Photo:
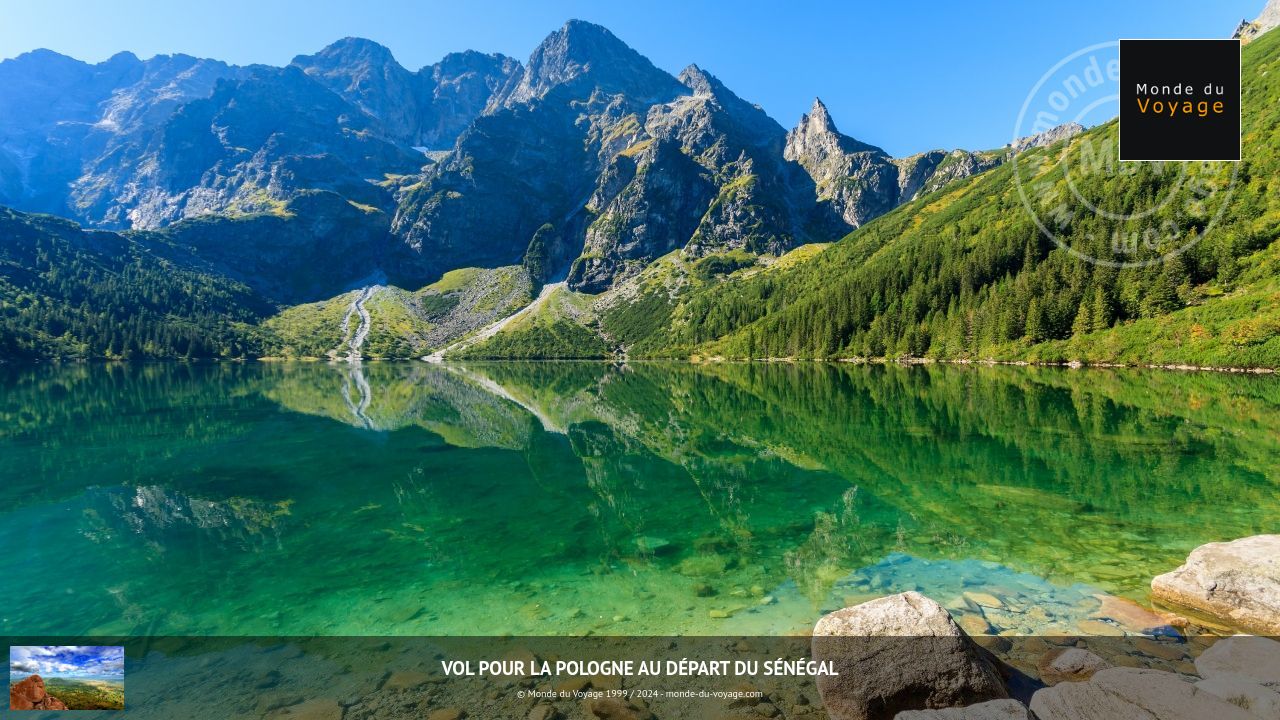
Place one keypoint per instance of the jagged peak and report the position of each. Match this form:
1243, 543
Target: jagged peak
579, 49
815, 138
819, 118
1269, 18
699, 81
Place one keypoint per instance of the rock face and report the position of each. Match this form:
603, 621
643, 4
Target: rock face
1048, 137
1236, 583
29, 694
901, 652
428, 108
857, 182
1133, 693
1268, 19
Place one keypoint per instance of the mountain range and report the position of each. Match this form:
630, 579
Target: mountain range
582, 203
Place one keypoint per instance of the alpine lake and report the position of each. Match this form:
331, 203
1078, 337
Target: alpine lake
411, 499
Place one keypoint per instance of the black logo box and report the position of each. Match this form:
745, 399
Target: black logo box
1187, 65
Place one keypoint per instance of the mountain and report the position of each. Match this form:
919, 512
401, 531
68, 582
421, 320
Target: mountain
963, 273
428, 108
140, 144
585, 203
1268, 19
66, 124
612, 163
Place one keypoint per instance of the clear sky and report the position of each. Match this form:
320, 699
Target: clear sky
907, 75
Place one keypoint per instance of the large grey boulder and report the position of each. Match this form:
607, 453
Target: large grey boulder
1133, 694
990, 710
901, 652
1255, 659
1261, 701
1236, 583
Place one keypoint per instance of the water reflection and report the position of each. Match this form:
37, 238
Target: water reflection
584, 497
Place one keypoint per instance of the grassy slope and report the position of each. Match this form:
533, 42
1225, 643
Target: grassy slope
406, 324
886, 289
563, 328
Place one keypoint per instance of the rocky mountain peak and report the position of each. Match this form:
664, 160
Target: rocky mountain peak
699, 81
585, 57
818, 117
1266, 20
348, 50
817, 145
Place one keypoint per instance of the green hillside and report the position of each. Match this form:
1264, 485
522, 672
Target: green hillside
965, 274
87, 694
69, 293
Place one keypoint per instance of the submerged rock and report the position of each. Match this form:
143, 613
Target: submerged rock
1236, 583
901, 652
1132, 693
1069, 665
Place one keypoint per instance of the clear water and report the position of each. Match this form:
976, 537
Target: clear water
566, 498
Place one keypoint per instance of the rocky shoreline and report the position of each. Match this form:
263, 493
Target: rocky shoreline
899, 657
903, 657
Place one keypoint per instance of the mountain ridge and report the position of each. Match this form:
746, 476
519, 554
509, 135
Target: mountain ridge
586, 164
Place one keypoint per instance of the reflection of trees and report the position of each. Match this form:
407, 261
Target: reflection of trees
1055, 472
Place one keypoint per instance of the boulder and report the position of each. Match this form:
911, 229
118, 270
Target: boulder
1236, 583
990, 710
1132, 694
29, 694
1256, 659
1261, 701
1069, 665
901, 652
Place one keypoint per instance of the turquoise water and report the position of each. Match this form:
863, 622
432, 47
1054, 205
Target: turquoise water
566, 498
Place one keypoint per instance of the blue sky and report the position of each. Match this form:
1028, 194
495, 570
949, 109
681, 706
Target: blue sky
67, 661
907, 76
